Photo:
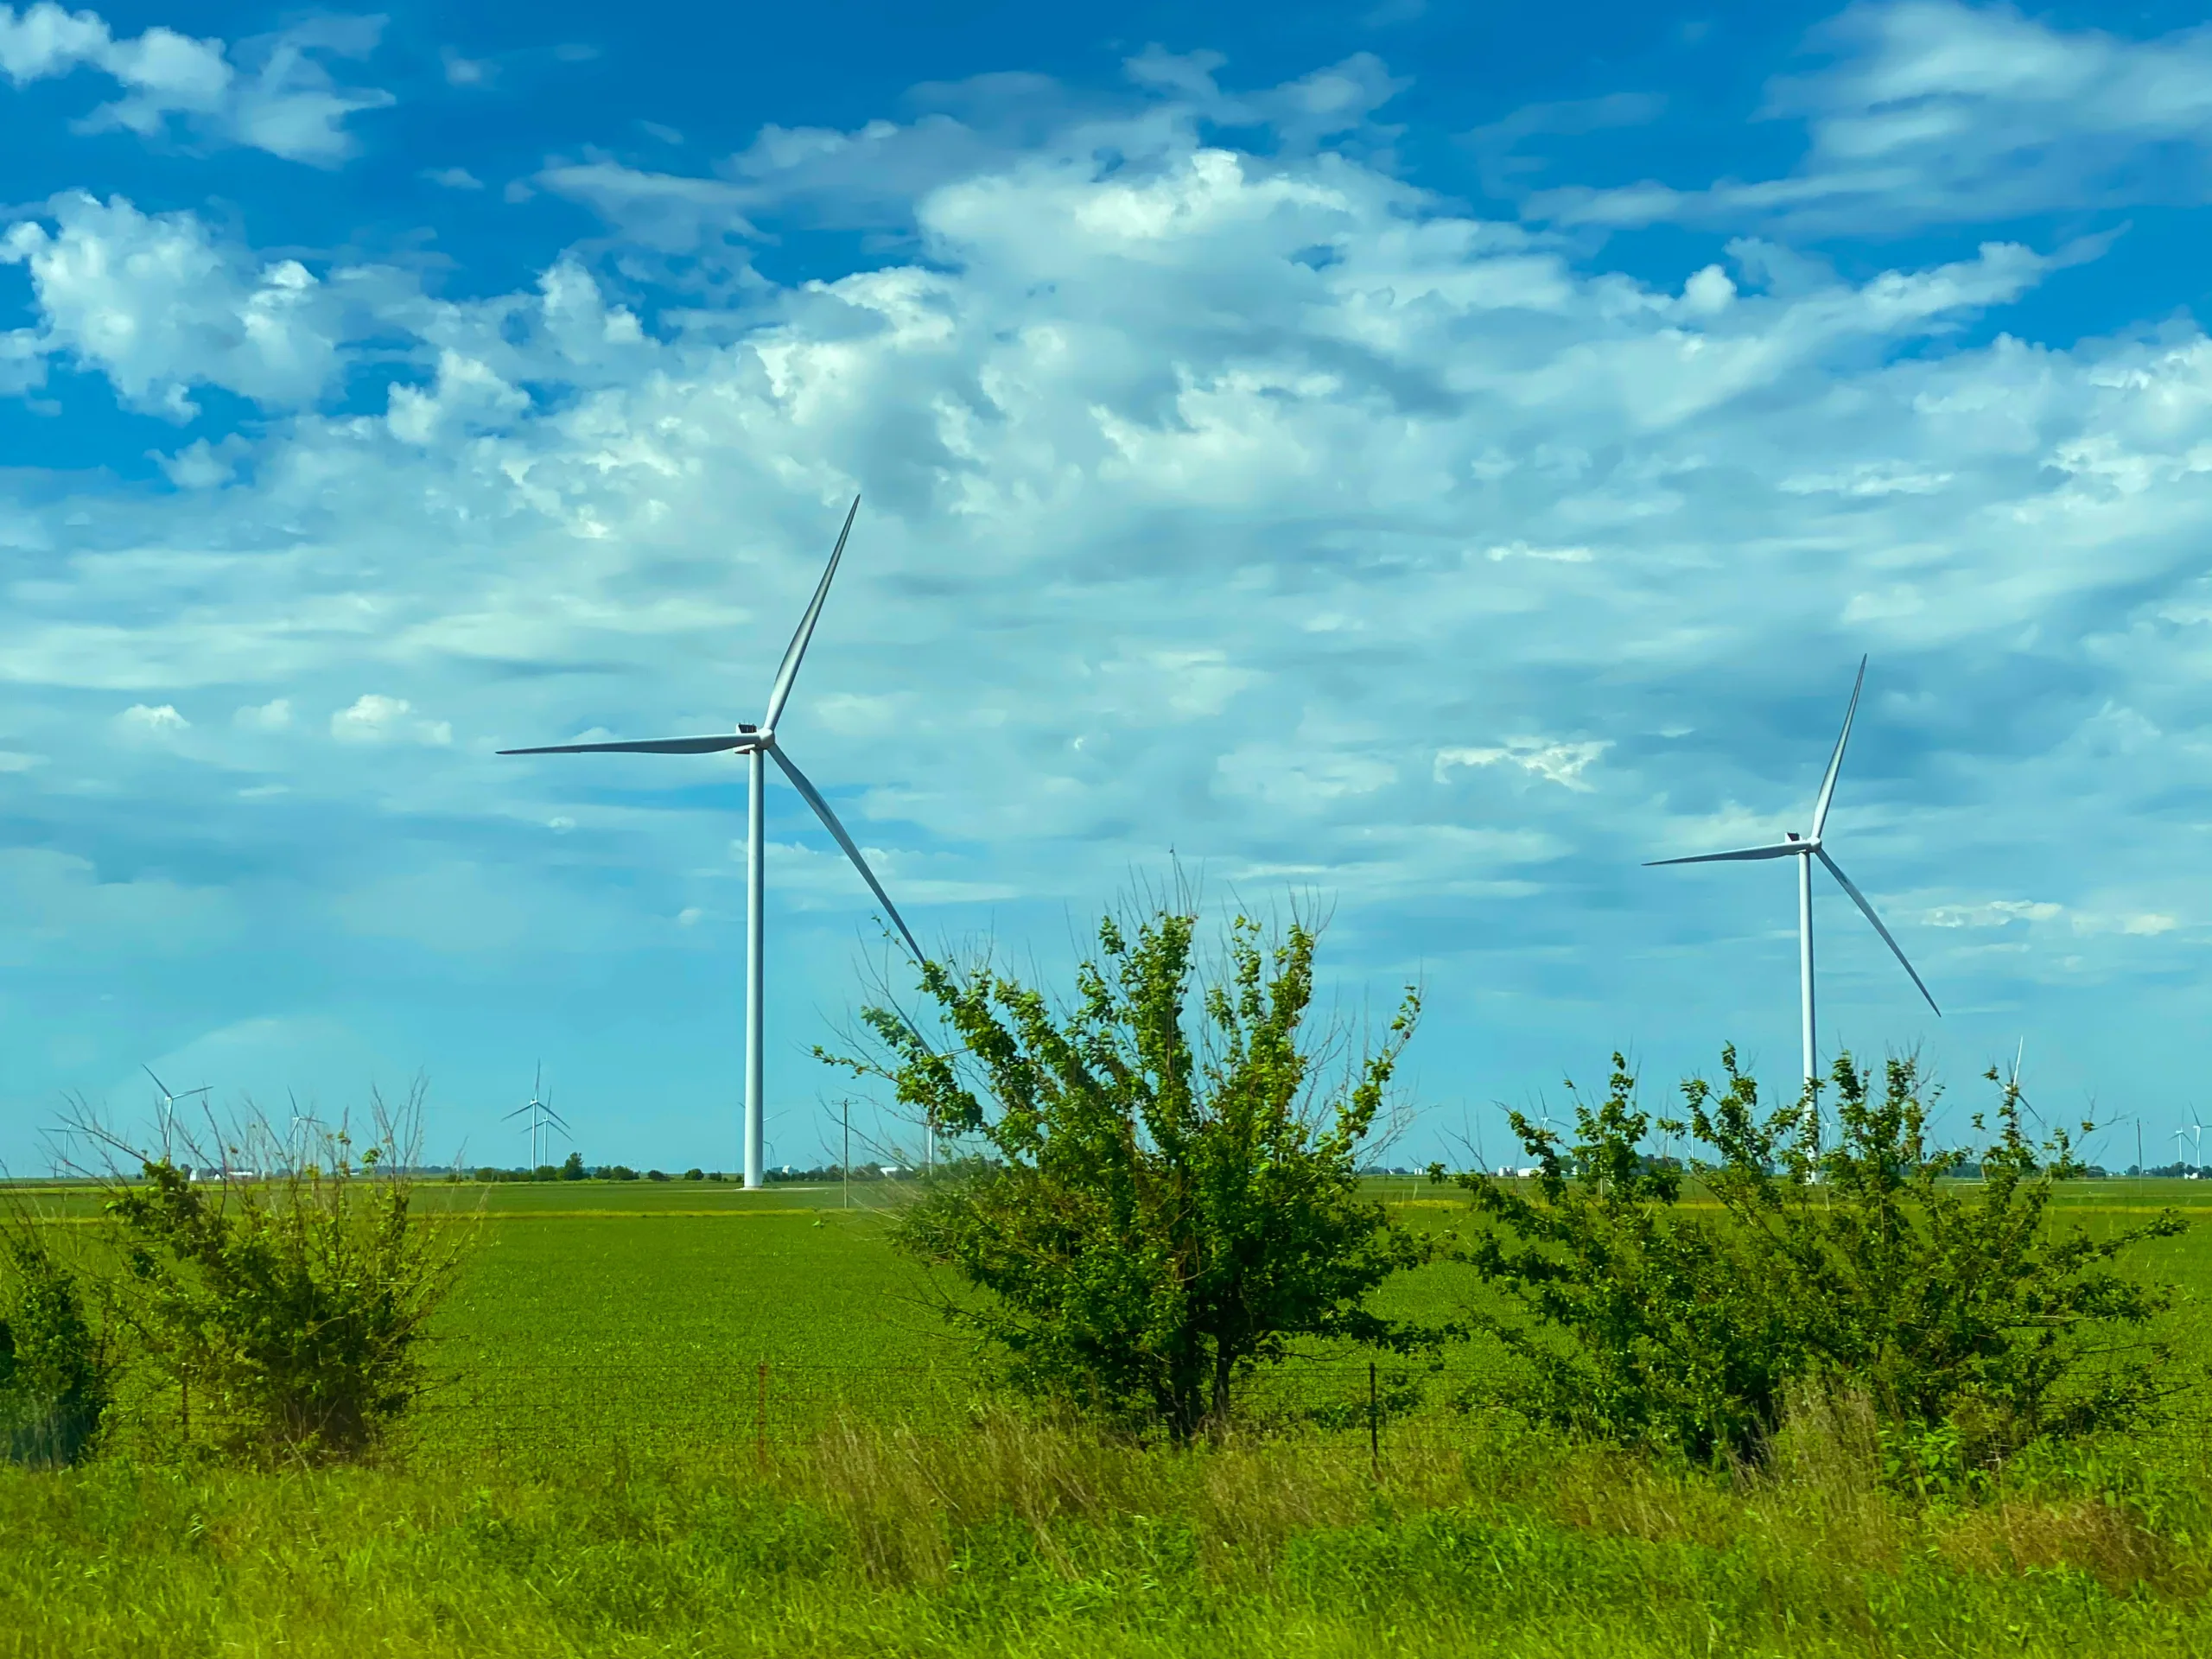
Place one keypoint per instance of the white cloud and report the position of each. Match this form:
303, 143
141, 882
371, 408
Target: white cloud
201, 465
1506, 551
1553, 762
1933, 110
453, 178
464, 71
1993, 912
466, 394
160, 721
272, 716
274, 93
156, 304
1216, 499
374, 718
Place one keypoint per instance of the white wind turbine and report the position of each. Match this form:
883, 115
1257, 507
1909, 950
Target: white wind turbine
169, 1105
1805, 849
541, 1116
758, 744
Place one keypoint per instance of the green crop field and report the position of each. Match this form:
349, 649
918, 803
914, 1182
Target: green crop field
683, 1419
642, 1312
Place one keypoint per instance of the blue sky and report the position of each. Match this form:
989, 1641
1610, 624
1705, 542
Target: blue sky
1422, 463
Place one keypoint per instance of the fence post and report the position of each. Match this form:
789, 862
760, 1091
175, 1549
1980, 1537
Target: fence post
760, 1423
1373, 1427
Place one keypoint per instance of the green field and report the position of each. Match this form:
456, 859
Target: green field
683, 1419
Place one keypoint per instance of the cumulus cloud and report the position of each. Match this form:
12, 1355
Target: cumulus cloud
374, 718
274, 93
1218, 497
159, 721
158, 304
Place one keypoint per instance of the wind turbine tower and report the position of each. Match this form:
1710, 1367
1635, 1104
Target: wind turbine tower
1805, 849
541, 1116
169, 1099
759, 746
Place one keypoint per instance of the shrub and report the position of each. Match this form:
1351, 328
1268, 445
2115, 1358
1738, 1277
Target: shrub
295, 1306
54, 1365
1171, 1202
695, 1174
1960, 1312
572, 1167
656, 1175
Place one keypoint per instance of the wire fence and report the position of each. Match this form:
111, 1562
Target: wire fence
736, 1411
735, 1414
758, 1408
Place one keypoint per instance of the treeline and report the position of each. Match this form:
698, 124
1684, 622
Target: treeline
574, 1169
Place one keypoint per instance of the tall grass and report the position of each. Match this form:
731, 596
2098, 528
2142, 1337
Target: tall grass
1017, 1538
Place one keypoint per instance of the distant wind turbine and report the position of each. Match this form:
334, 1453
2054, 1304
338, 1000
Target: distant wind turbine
1805, 850
758, 744
541, 1116
169, 1106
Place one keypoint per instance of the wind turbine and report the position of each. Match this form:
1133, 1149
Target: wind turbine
541, 1115
169, 1105
297, 1143
758, 744
1805, 849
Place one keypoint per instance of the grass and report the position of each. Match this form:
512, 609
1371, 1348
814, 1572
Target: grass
1026, 1541
623, 1505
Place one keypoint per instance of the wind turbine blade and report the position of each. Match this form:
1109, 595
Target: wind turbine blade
1835, 760
204, 1088
1781, 850
1859, 899
557, 1121
652, 746
158, 1084
829, 822
787, 671
520, 1110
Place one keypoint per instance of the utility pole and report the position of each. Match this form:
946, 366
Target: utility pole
846, 1163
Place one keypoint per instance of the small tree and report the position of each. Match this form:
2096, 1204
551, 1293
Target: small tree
55, 1366
1960, 1311
572, 1167
293, 1301
1169, 1201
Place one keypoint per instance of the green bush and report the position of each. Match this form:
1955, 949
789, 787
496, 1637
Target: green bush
294, 1306
54, 1365
1170, 1201
1961, 1312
